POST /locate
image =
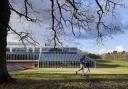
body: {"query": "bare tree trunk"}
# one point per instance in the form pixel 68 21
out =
pixel 4 21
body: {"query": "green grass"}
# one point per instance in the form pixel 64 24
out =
pixel 112 64
pixel 68 81
pixel 105 76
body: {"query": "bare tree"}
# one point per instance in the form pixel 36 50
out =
pixel 73 13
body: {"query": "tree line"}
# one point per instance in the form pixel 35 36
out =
pixel 115 55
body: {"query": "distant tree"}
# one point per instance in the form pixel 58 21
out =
pixel 108 53
pixel 83 53
pixel 75 13
pixel 115 52
pixel 94 56
pixel 123 52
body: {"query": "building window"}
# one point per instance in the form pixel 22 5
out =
pixel 66 49
pixel 18 50
pixel 37 49
pixel 55 50
pixel 73 49
pixel 45 49
pixel 30 50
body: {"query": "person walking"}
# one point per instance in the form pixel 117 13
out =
pixel 82 65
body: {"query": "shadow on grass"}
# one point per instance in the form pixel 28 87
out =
pixel 100 65
pixel 106 64
pixel 70 81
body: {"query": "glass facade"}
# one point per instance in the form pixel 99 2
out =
pixel 22 56
pixel 19 50
pixel 37 50
pixel 73 49
pixel 66 50
pixel 61 57
pixel 45 49
pixel 30 50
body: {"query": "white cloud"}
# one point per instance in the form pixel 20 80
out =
pixel 42 33
pixel 105 50
pixel 120 48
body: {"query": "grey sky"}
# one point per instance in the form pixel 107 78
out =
pixel 41 30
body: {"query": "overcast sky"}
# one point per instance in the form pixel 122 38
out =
pixel 86 42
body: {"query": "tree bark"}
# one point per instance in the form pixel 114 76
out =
pixel 4 21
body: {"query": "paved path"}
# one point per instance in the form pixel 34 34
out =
pixel 14 68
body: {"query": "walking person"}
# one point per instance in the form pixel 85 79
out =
pixel 87 64
pixel 83 64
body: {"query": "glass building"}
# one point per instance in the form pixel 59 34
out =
pixel 43 57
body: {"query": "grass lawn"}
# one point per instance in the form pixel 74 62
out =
pixel 107 75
